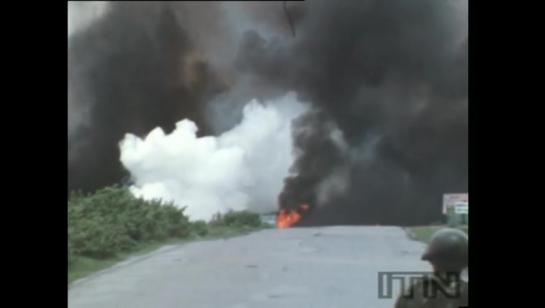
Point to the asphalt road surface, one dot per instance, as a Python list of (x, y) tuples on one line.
[(297, 267)]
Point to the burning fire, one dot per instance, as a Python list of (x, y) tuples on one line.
[(286, 218)]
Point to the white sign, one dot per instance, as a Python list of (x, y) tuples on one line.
[(451, 199), (461, 208)]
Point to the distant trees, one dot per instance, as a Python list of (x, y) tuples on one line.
[(112, 220)]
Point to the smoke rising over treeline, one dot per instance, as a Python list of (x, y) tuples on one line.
[(131, 70), (387, 133), (240, 169), (393, 76)]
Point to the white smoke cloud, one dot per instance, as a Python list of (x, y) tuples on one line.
[(242, 168), (81, 14)]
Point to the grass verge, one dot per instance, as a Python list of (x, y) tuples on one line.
[(424, 233), (85, 266), (111, 224)]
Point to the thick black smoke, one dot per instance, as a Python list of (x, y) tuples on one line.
[(129, 72), (392, 75), (311, 134)]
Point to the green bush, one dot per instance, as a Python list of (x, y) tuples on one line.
[(71, 256), (217, 220), (239, 219), (199, 228), (112, 220)]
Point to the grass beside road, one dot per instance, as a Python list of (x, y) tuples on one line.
[(84, 266), (424, 233), (111, 225)]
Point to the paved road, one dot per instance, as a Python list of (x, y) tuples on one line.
[(298, 267)]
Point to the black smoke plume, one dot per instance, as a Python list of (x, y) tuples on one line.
[(392, 75), (130, 71)]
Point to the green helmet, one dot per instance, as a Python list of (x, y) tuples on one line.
[(448, 250)]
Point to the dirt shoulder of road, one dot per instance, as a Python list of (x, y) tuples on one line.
[(424, 233)]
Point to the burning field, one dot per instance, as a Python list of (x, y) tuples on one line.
[(350, 112)]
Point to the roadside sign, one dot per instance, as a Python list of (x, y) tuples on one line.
[(451, 199), (461, 208)]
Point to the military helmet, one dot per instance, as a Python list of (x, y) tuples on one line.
[(448, 249)]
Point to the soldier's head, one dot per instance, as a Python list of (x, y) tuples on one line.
[(447, 250)]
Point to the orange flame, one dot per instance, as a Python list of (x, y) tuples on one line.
[(287, 218)]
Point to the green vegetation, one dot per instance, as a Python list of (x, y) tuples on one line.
[(110, 225), (424, 233)]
